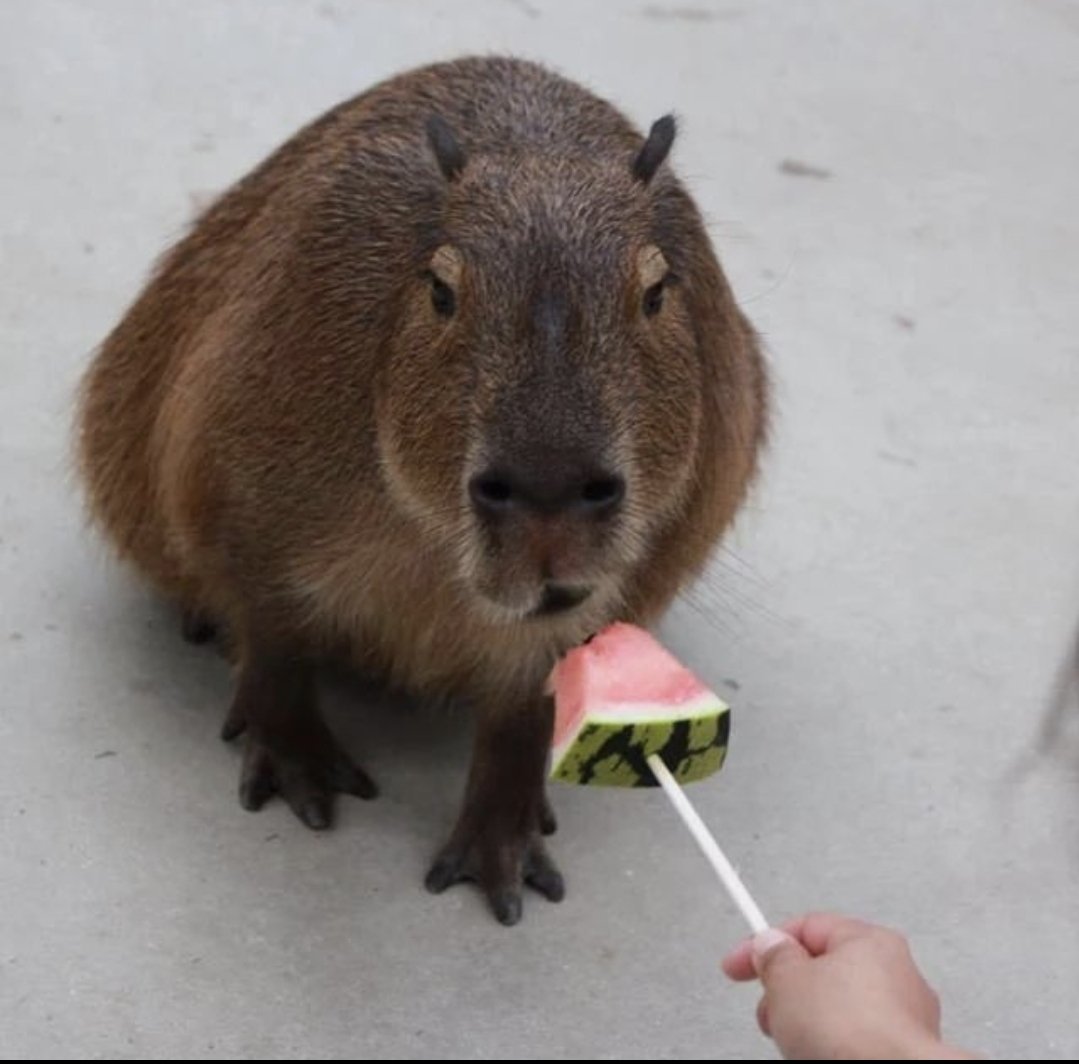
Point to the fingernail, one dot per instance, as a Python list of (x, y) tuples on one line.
[(765, 941)]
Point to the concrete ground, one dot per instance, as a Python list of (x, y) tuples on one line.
[(893, 190)]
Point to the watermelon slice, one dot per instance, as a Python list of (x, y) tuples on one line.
[(621, 697)]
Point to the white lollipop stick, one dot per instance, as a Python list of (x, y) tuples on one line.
[(709, 847)]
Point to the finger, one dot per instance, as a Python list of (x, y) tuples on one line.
[(762, 1018), (817, 932), (821, 933), (741, 964), (772, 951), (738, 964)]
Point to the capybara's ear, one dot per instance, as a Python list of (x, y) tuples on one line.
[(656, 148), (447, 148)]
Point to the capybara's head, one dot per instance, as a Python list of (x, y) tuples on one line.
[(540, 410)]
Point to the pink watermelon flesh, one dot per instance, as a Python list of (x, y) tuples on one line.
[(623, 666)]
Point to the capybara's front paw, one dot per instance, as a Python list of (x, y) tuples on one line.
[(290, 751), (500, 861)]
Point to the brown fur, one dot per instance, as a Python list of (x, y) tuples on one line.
[(279, 433)]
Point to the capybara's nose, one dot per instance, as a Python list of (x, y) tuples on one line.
[(561, 598), (549, 483)]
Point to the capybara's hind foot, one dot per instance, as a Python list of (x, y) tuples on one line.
[(197, 627), (308, 782), (201, 629)]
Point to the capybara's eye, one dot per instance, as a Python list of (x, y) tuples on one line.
[(442, 297), (653, 300)]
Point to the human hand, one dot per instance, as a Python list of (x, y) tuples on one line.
[(841, 989)]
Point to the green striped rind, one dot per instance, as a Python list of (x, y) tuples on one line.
[(613, 755)]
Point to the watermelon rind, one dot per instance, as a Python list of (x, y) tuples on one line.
[(611, 750)]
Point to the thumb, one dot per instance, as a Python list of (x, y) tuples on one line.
[(774, 950)]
